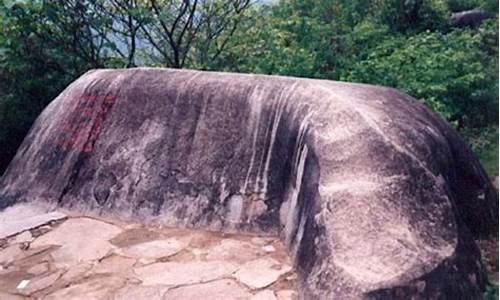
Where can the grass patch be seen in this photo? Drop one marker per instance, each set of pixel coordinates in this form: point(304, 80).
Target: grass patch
point(489, 157)
point(484, 142)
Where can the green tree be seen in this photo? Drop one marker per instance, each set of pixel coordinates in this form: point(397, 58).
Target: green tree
point(412, 15)
point(42, 49)
point(452, 73)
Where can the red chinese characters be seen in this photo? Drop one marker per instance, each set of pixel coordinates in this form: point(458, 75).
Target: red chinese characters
point(82, 128)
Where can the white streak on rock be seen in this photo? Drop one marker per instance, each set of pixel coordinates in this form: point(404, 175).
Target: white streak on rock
point(289, 212)
point(224, 192)
point(256, 110)
point(277, 118)
point(304, 125)
point(235, 206)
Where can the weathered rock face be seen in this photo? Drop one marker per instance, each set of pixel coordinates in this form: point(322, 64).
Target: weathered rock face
point(374, 195)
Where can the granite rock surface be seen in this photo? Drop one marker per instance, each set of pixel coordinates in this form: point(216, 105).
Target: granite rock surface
point(373, 195)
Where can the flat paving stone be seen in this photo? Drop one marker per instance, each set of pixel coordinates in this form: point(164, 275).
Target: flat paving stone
point(133, 236)
point(261, 272)
point(114, 264)
point(233, 250)
point(287, 295)
point(81, 239)
point(155, 249)
point(96, 288)
point(24, 217)
point(10, 280)
point(76, 273)
point(136, 292)
point(264, 295)
point(10, 254)
point(39, 283)
point(24, 237)
point(39, 268)
point(31, 258)
point(174, 273)
point(89, 258)
point(7, 296)
point(216, 290)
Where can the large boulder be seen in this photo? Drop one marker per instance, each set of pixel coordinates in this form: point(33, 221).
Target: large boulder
point(469, 18)
point(374, 195)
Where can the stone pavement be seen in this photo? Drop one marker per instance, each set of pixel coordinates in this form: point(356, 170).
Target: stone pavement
point(62, 256)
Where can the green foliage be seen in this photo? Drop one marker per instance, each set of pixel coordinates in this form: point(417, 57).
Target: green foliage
point(33, 69)
point(449, 72)
point(413, 15)
point(489, 157)
point(462, 5)
point(484, 142)
point(280, 40)
point(491, 292)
